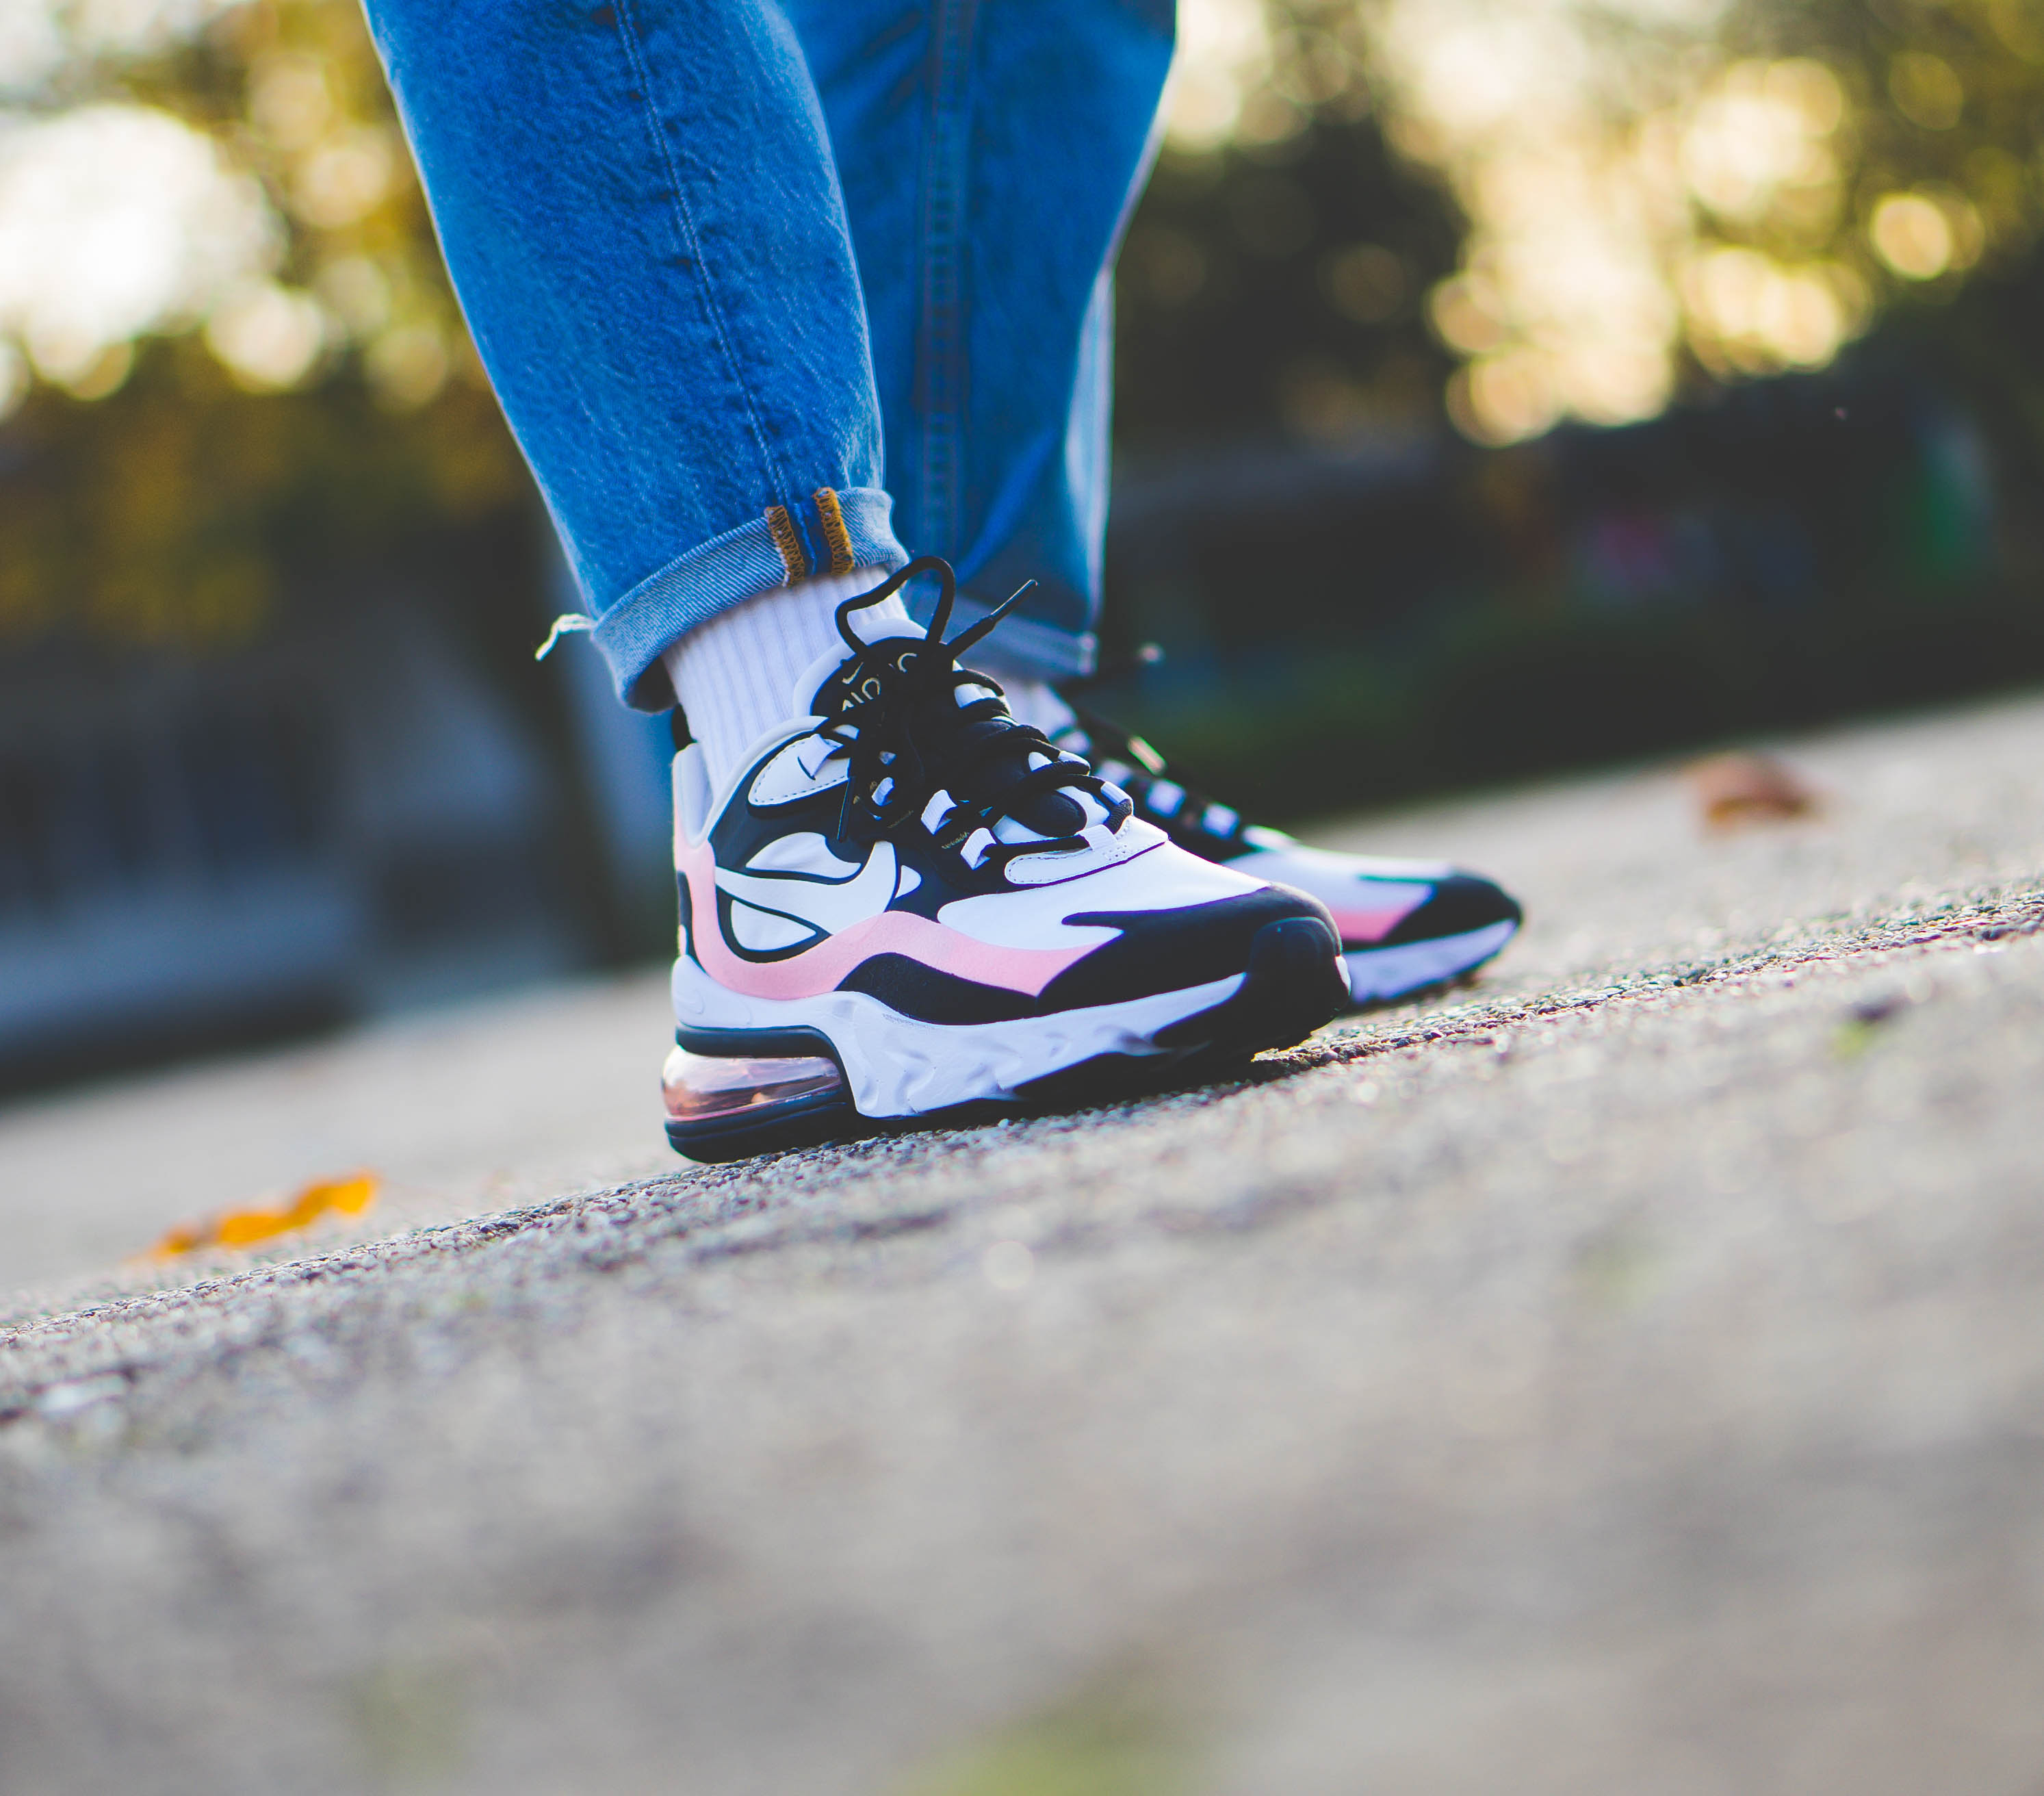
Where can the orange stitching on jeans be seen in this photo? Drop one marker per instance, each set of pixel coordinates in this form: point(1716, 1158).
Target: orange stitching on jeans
point(788, 540)
point(836, 537)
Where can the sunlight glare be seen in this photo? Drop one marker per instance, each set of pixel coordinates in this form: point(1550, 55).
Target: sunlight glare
point(116, 219)
point(1223, 54)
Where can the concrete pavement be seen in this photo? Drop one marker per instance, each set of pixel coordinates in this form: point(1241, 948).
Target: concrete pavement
point(1626, 1375)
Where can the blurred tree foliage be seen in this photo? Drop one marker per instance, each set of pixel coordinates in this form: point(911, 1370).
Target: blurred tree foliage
point(1318, 266)
point(1936, 164)
point(167, 492)
point(1943, 179)
point(1285, 283)
point(180, 511)
point(1657, 198)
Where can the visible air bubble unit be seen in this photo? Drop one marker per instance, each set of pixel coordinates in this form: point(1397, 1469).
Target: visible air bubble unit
point(724, 1108)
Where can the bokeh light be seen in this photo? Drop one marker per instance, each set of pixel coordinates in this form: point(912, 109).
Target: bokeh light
point(278, 236)
point(1649, 203)
point(117, 220)
point(1926, 90)
point(38, 38)
point(1913, 236)
point(268, 337)
point(1223, 58)
point(1646, 205)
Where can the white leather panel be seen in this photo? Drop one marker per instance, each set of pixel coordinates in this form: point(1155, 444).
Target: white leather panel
point(1342, 879)
point(803, 768)
point(803, 851)
point(830, 905)
point(692, 797)
point(762, 932)
point(1162, 877)
point(1102, 850)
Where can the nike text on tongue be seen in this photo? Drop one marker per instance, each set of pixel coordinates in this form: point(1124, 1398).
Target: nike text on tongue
point(909, 721)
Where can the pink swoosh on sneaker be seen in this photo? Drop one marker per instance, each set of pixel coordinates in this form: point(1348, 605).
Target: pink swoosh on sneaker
point(822, 968)
point(1370, 925)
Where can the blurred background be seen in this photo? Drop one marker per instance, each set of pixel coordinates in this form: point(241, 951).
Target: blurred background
point(1505, 387)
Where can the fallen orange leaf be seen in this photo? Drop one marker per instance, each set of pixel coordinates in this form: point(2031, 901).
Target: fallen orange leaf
point(244, 1228)
point(1744, 788)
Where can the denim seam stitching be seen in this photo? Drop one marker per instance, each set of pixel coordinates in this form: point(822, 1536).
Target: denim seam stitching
point(788, 539)
point(836, 537)
point(694, 586)
point(943, 373)
point(628, 35)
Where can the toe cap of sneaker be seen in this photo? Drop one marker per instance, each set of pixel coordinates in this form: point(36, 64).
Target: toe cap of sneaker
point(1174, 950)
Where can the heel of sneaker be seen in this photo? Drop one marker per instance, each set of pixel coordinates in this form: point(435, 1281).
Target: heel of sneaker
point(724, 1107)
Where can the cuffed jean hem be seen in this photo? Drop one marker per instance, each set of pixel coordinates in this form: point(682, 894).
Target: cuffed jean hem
point(773, 550)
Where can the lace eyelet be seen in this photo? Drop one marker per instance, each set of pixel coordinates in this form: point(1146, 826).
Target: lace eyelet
point(883, 687)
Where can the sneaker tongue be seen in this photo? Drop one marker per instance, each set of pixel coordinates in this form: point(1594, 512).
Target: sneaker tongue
point(941, 738)
point(803, 700)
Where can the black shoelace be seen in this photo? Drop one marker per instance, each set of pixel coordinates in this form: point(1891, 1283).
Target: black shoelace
point(1139, 770)
point(905, 736)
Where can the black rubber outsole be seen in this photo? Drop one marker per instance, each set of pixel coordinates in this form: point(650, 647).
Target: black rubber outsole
point(1294, 983)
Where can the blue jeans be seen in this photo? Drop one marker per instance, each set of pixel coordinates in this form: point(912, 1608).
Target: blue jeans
point(773, 286)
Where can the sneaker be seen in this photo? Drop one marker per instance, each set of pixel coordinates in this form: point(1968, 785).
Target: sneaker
point(905, 903)
point(1405, 924)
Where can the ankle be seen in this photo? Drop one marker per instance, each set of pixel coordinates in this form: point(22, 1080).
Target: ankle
point(735, 676)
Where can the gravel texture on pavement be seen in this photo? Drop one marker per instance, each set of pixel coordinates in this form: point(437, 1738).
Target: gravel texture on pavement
point(1626, 1375)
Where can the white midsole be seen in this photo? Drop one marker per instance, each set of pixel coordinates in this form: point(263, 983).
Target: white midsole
point(898, 1066)
point(1391, 972)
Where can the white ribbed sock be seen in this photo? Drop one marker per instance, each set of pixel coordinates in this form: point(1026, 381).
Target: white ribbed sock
point(736, 674)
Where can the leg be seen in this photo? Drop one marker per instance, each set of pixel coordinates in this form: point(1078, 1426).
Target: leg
point(989, 151)
point(893, 885)
point(638, 207)
point(1021, 128)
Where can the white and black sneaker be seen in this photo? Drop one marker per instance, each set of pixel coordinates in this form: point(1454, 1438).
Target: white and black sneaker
point(905, 903)
point(1405, 925)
